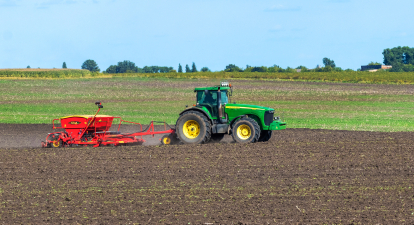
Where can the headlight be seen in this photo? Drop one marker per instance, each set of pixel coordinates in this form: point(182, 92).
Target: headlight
point(277, 118)
point(225, 84)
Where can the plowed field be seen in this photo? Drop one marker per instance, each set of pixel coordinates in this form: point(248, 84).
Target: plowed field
point(299, 176)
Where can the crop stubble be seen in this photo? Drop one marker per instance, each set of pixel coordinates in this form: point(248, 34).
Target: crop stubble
point(299, 176)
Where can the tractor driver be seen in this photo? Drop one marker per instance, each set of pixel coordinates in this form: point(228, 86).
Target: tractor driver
point(208, 98)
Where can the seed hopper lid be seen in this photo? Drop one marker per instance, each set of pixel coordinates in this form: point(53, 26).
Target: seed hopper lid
point(84, 116)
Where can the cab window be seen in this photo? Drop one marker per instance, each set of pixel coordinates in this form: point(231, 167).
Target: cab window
point(211, 97)
point(224, 97)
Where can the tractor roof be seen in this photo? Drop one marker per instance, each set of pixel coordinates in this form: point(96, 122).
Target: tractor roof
point(211, 88)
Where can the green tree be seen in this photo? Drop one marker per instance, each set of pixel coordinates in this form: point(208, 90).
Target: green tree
point(397, 67)
point(126, 67)
point(193, 68)
point(327, 69)
point(328, 62)
point(232, 68)
point(408, 68)
point(409, 56)
point(64, 65)
point(187, 69)
point(111, 69)
point(302, 68)
point(28, 67)
point(374, 64)
point(290, 70)
point(402, 55)
point(259, 69)
point(90, 65)
point(205, 69)
point(165, 69)
point(274, 69)
point(180, 68)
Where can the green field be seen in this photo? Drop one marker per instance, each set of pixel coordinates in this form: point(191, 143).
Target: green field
point(315, 105)
point(344, 76)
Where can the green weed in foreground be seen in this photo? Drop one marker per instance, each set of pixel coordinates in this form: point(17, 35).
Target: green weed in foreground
point(302, 105)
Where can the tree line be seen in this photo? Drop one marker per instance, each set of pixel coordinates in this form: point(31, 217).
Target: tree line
point(400, 58)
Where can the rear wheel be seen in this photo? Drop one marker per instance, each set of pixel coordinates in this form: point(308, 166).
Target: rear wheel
point(193, 128)
point(169, 139)
point(265, 135)
point(166, 140)
point(57, 143)
point(246, 130)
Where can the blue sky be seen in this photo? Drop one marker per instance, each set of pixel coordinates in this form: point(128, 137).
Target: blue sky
point(212, 33)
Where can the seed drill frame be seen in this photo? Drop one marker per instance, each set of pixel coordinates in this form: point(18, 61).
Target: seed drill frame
point(93, 130)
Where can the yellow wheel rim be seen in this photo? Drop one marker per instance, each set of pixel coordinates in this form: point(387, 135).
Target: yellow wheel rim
point(166, 140)
point(244, 132)
point(191, 129)
point(56, 143)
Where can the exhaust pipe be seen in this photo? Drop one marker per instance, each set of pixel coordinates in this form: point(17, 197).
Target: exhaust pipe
point(220, 111)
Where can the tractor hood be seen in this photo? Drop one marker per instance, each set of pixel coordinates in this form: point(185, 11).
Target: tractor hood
point(246, 106)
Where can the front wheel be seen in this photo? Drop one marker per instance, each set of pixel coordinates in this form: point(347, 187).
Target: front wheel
point(246, 130)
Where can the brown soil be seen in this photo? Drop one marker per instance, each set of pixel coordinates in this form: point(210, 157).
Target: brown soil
point(32, 135)
point(299, 176)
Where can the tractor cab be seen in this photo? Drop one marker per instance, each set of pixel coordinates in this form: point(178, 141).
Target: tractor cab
point(212, 99)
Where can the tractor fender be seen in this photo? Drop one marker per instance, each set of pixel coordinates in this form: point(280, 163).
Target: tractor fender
point(199, 110)
point(242, 116)
point(235, 119)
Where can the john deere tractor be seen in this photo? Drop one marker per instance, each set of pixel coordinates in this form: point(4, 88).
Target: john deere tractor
point(213, 116)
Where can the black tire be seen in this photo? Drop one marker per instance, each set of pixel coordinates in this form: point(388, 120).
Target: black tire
point(169, 139)
point(57, 144)
point(166, 140)
point(265, 135)
point(251, 127)
point(200, 135)
point(217, 137)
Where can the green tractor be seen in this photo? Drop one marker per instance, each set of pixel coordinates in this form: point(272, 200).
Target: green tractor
point(213, 116)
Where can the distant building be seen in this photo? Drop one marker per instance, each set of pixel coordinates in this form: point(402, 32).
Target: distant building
point(298, 70)
point(374, 68)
